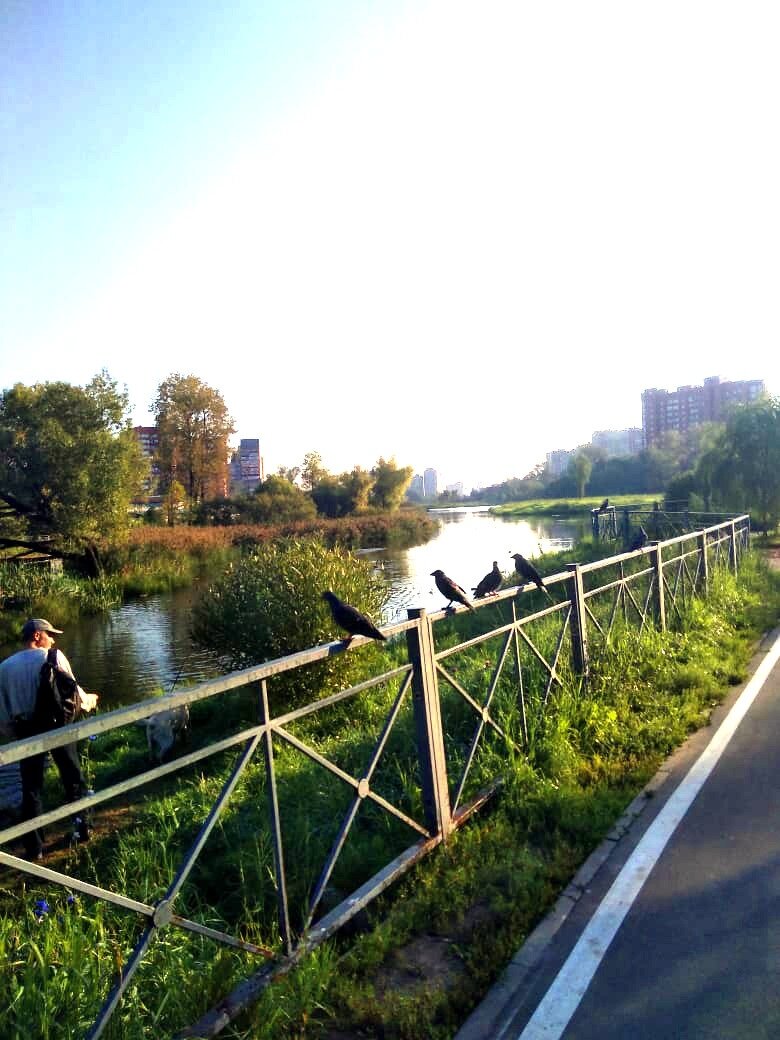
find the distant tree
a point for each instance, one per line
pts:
(743, 469)
(277, 501)
(312, 470)
(330, 497)
(390, 484)
(289, 473)
(581, 466)
(69, 467)
(174, 503)
(358, 485)
(194, 427)
(218, 512)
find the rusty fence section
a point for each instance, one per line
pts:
(448, 716)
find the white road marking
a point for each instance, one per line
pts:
(563, 997)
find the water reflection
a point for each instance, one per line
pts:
(469, 540)
(129, 653)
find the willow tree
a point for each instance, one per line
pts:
(69, 468)
(193, 427)
(390, 484)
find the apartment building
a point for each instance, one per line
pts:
(687, 406)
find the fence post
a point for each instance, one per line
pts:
(626, 526)
(579, 629)
(594, 524)
(427, 721)
(656, 557)
(733, 546)
(705, 569)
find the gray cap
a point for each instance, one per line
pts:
(38, 624)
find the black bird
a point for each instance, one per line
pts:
(350, 619)
(450, 590)
(528, 572)
(639, 541)
(603, 506)
(490, 583)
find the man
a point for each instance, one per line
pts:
(19, 676)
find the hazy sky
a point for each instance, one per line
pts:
(462, 234)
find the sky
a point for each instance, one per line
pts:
(461, 235)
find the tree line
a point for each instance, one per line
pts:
(71, 466)
(729, 466)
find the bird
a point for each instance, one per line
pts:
(350, 619)
(639, 541)
(451, 591)
(490, 583)
(604, 505)
(528, 572)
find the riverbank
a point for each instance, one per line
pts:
(160, 559)
(433, 943)
(571, 507)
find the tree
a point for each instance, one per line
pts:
(581, 466)
(69, 467)
(174, 502)
(277, 501)
(194, 426)
(744, 468)
(390, 484)
(312, 470)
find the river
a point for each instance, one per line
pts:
(132, 651)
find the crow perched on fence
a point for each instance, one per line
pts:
(451, 591)
(528, 572)
(350, 619)
(604, 505)
(639, 541)
(490, 583)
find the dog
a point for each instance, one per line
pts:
(164, 729)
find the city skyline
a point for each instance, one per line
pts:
(466, 264)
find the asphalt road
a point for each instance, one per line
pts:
(674, 930)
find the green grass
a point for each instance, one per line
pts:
(574, 506)
(470, 903)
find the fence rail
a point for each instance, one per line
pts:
(451, 713)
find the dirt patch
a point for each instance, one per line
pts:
(428, 960)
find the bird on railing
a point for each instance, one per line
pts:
(604, 505)
(639, 541)
(448, 588)
(350, 619)
(528, 572)
(490, 584)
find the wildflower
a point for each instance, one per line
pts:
(93, 736)
(71, 900)
(41, 909)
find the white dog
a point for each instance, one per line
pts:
(163, 729)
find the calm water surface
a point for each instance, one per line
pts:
(144, 646)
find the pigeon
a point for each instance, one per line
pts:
(350, 619)
(528, 572)
(490, 584)
(639, 541)
(450, 590)
(603, 506)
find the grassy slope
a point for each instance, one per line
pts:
(573, 506)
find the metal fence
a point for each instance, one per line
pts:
(616, 523)
(451, 712)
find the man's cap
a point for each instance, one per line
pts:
(38, 624)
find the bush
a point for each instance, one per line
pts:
(269, 604)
